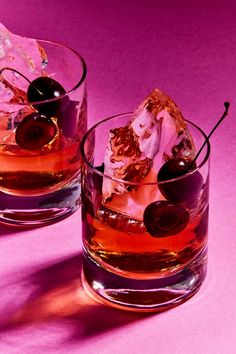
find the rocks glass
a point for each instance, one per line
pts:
(40, 141)
(145, 248)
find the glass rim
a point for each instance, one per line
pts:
(76, 86)
(126, 182)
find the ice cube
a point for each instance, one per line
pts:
(156, 132)
(22, 54)
(11, 97)
(26, 57)
(123, 159)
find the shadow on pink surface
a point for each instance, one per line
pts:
(5, 230)
(58, 295)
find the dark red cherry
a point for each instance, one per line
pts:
(45, 88)
(163, 219)
(184, 189)
(35, 131)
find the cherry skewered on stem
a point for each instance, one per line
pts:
(45, 88)
(186, 189)
(180, 190)
(42, 89)
(168, 217)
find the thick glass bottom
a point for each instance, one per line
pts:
(152, 295)
(40, 210)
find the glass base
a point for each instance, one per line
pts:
(40, 210)
(153, 295)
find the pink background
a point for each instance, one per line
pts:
(188, 49)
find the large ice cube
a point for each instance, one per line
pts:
(156, 132)
(22, 54)
(28, 58)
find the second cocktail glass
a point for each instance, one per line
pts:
(145, 247)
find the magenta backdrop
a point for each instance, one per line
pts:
(188, 49)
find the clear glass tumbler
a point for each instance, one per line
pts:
(144, 249)
(40, 157)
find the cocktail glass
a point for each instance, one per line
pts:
(40, 176)
(144, 248)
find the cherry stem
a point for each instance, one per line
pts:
(16, 71)
(226, 104)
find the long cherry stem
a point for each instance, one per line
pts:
(226, 104)
(22, 75)
(16, 71)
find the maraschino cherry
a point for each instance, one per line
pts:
(162, 218)
(35, 131)
(180, 183)
(184, 189)
(38, 129)
(45, 88)
(177, 189)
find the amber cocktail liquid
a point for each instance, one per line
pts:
(43, 116)
(144, 235)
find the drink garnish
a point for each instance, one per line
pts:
(187, 189)
(23, 58)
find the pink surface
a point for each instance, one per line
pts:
(188, 49)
